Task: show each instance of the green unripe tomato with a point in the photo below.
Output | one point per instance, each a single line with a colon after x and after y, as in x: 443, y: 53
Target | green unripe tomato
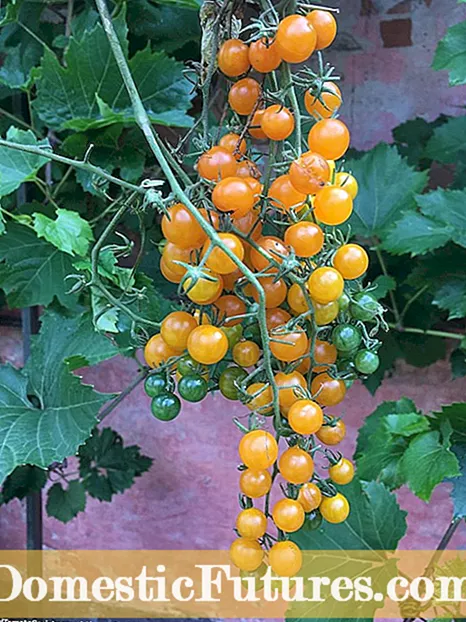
x: 366, y: 362
x: 343, y: 303
x: 187, y: 366
x: 313, y: 520
x: 192, y: 388
x: 346, y: 337
x: 364, y: 306
x: 155, y: 384
x: 227, y: 381
x: 166, y: 406
x: 233, y: 334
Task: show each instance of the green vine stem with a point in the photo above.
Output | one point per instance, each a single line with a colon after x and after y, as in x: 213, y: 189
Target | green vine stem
x: 421, y: 331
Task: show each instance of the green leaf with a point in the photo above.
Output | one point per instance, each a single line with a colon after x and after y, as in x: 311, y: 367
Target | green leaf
x: 458, y: 493
x: 446, y: 207
x: 16, y: 167
x: 387, y: 185
x: 88, y: 91
x: 411, y: 138
x: 451, y: 296
x: 458, y: 363
x: 383, y: 284
x: 447, y: 142
x: 64, y: 504
x: 427, y: 462
x: 456, y: 416
x: 406, y: 424
x: 451, y: 54
x: 69, y: 232
x: 22, y: 481
x: 416, y: 234
x: 2, y: 224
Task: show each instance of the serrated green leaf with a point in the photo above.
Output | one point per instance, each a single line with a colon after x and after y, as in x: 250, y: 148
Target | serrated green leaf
x: 447, y: 142
x: 451, y: 296
x: 34, y: 271
x: 387, y: 185
x: 406, y: 424
x: 383, y: 284
x: 411, y: 138
x: 16, y: 167
x: 456, y: 415
x: 427, y: 462
x: 88, y: 92
x: 446, y: 207
x: 458, y: 363
x: 68, y: 232
x: 66, y: 503
x: 22, y: 481
x: 416, y: 234
x: 451, y: 54
x: 458, y: 492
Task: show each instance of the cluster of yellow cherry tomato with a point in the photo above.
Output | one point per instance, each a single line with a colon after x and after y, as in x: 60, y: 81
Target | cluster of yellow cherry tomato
x: 282, y: 229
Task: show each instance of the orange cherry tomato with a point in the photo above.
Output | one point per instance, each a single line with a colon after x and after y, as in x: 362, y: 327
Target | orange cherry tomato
x: 276, y: 317
x: 351, y: 261
x: 176, y: 328
x: 230, y: 306
x: 264, y: 55
x: 255, y: 186
x: 255, y: 129
x: 296, y: 465
x: 333, y: 206
x: 305, y: 417
x: 251, y: 523
x: 332, y: 433
x: 348, y: 183
x: 168, y: 273
x: 246, y: 353
x: 255, y: 484
x: 342, y: 472
x: 218, y: 261
x: 233, y: 194
x: 325, y: 313
x: 230, y: 280
x: 262, y: 403
x: 335, y: 509
x: 328, y: 391
x: 246, y: 168
x: 233, y: 58
x: 325, y: 354
x: 324, y: 105
x: 325, y: 27
x: 330, y: 138
x: 234, y: 144
x: 274, y: 248
x: 296, y: 344
x: 284, y: 196
x: 250, y: 224
x: 309, y: 173
x: 304, y: 366
x: 296, y: 299
x: 258, y: 449
x: 309, y: 496
x: 244, y: 95
x: 246, y: 554
x: 287, y: 385
x: 285, y: 558
x: 277, y: 122
x: 296, y: 39
x: 216, y: 163
x: 181, y: 228
x: 173, y: 253
x: 275, y: 291
x: 288, y: 515
x: 156, y: 351
x: 325, y: 285
x: 205, y: 291
x: 207, y: 344
x: 306, y: 238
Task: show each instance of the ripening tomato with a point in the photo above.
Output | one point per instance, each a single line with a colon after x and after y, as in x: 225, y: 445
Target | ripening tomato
x: 255, y: 129
x: 168, y: 273
x: 277, y: 122
x: 246, y: 554
x: 262, y: 403
x: 324, y: 104
x: 207, y: 344
x: 258, y: 449
x: 335, y: 509
x: 309, y: 496
x: 285, y: 558
x: 246, y: 168
x: 249, y: 224
x: 296, y: 465
x: 325, y: 27
x: 244, y: 95
x: 296, y: 39
x: 325, y: 354
x: 306, y: 238
x: 233, y: 194
x: 295, y: 347
x: 296, y: 299
x: 233, y: 58
x: 342, y: 472
x: 230, y: 280
x: 284, y: 196
x: 348, y: 183
x: 332, y: 433
x: 181, y: 228
x: 274, y: 248
x: 288, y: 515
x: 230, y: 306
x: 205, y: 291
x: 251, y: 523
x: 246, y: 353
x: 287, y: 389
x: 333, y: 206
x: 276, y: 317
x: 218, y: 261
x: 234, y: 144
x: 328, y: 391
x: 176, y: 328
x: 325, y: 285
x: 309, y: 173
x: 264, y: 55
x: 173, y: 253
x: 325, y: 313
x: 255, y: 484
x: 275, y: 291
x: 351, y: 261
x: 305, y: 417
x: 156, y: 351
x: 330, y: 138
x: 216, y: 163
